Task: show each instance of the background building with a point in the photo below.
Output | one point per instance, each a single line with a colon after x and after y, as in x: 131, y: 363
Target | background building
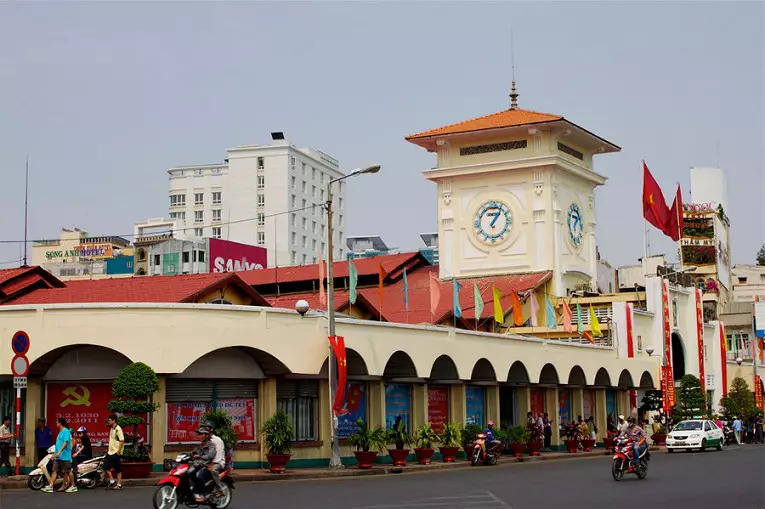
x: 246, y: 200
x: 748, y: 282
x: 367, y: 247
x: 75, y: 255
x: 430, y: 252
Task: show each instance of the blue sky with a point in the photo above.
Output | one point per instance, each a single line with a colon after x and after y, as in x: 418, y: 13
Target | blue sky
x: 104, y: 97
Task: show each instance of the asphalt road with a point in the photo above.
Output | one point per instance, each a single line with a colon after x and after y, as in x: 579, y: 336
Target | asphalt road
x: 734, y: 478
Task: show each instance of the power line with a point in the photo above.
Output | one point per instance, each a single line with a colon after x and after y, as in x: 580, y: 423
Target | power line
x: 194, y: 227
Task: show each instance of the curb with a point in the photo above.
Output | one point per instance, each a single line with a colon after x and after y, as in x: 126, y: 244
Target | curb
x: 20, y: 482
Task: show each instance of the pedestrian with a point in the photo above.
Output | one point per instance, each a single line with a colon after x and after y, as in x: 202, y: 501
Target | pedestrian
x: 593, y: 429
x: 5, y: 444
x: 548, y: 432
x: 623, y: 425
x: 719, y: 423
x: 738, y: 427
x: 530, y: 421
x: 112, y: 459
x: 43, y: 439
x: 62, y: 464
x: 758, y: 423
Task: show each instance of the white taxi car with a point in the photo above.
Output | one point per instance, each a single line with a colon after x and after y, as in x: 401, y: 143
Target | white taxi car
x: 695, y: 434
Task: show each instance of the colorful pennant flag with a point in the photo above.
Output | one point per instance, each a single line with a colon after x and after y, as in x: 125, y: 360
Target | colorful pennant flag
x: 499, y: 315
x: 588, y: 337
x: 406, y: 292
x: 579, y: 323
x: 594, y: 323
x: 517, y: 309
x: 478, y: 302
x: 567, y: 318
x: 353, y: 276
x: 534, y: 305
x: 435, y: 294
x: 456, y: 298
x: 322, y: 293
x: 552, y: 320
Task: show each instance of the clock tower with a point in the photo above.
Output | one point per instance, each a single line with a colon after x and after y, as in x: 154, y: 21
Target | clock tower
x: 516, y: 195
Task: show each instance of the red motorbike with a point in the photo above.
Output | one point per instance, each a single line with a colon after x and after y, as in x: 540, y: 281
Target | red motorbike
x: 489, y: 454
x: 623, y: 460
x: 176, y: 488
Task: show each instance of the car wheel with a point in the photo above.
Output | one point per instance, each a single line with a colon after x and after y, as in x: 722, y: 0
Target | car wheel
x: 720, y: 445
x: 703, y: 447
x: 670, y: 450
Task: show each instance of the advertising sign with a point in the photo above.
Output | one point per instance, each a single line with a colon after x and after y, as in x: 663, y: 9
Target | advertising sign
x: 611, y: 408
x: 564, y: 405
x: 759, y: 319
x: 355, y: 407
x: 183, y: 419
x: 700, y: 338
x: 438, y: 407
x: 242, y: 413
x: 724, y: 360
x: 93, y: 251
x: 537, y: 397
x: 758, y: 391
x: 226, y: 256
x: 170, y: 264
x: 669, y: 393
x: 723, y: 260
x: 82, y: 404
x: 475, y: 405
x: 588, y: 403
x: 397, y: 403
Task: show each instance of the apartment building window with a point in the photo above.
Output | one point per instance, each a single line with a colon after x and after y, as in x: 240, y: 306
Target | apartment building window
x: 293, y: 182
x: 340, y: 219
x: 261, y: 200
x: 261, y: 238
x: 216, y: 216
x: 177, y: 200
x: 199, y: 198
x: 302, y: 168
x: 292, y: 163
x: 178, y: 215
x: 216, y: 232
x: 261, y: 181
x: 199, y: 232
x: 185, y: 257
x: 314, y: 259
x: 340, y: 187
x: 321, y: 193
x: 217, y: 197
x: 156, y: 260
x: 198, y: 216
x: 323, y: 229
x: 313, y: 192
x: 294, y: 258
x: 305, y: 241
x: 323, y: 248
x: 294, y: 219
x: 294, y: 238
x: 313, y: 173
x: 261, y: 219
x: 304, y: 203
x: 313, y: 245
x: 305, y: 224
x: 261, y: 163
x: 340, y: 203
x: 293, y: 202
x: 313, y: 227
x: 304, y: 187
x: 305, y: 259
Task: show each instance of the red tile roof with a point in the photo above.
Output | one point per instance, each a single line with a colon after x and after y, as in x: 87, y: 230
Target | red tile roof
x: 17, y: 281
x: 506, y: 118
x: 180, y: 288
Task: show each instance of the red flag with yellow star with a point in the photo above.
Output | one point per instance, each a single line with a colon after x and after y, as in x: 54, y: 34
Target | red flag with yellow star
x: 355, y: 392
x: 338, y: 346
x: 655, y: 208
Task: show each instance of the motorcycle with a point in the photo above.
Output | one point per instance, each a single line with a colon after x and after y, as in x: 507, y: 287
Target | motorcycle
x: 730, y: 435
x: 623, y: 460
x: 176, y: 488
x: 89, y: 474
x: 481, y: 452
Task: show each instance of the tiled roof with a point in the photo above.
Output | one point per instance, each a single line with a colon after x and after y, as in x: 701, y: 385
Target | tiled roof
x: 506, y: 118
x: 170, y: 289
x: 17, y: 281
x: 8, y: 274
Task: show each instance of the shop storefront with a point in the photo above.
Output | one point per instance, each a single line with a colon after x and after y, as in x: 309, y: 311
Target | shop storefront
x: 588, y: 403
x: 564, y: 406
x: 398, y: 403
x: 438, y: 407
x: 475, y: 405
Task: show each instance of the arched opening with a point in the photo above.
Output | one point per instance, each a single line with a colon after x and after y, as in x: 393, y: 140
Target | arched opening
x: 548, y: 375
x: 678, y: 356
x: 625, y: 380
x: 646, y: 381
x: 400, y: 365
x: 444, y: 369
x: 576, y: 377
x: 483, y: 371
x: 518, y: 375
x: 510, y: 411
x: 79, y: 362
x: 141, y: 271
x: 355, y: 364
x: 602, y: 378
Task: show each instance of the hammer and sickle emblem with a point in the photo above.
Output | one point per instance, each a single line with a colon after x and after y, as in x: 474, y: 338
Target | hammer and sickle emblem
x: 74, y: 397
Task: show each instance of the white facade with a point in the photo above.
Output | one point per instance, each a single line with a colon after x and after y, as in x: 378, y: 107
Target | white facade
x: 631, y: 275
x: 709, y: 185
x: 748, y: 283
x: 265, y: 195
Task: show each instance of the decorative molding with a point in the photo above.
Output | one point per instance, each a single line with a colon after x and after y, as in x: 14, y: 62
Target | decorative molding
x: 493, y: 147
x: 446, y: 191
x: 539, y: 215
x: 570, y: 151
x: 538, y: 183
x: 448, y: 223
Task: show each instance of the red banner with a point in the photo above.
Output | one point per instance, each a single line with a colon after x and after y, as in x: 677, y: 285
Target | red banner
x: 338, y: 346
x: 724, y: 360
x: 537, y: 403
x: 669, y: 393
x: 700, y: 337
x: 438, y: 407
x: 630, y: 342
x: 183, y: 419
x: 758, y: 391
x: 82, y: 404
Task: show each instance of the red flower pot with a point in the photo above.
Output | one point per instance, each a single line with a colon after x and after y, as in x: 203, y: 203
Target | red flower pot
x: 278, y: 462
x: 449, y: 454
x: 518, y: 449
x: 659, y: 438
x: 534, y: 448
x: 399, y: 456
x: 609, y: 443
x: 424, y: 455
x: 572, y: 446
x: 588, y: 444
x: 140, y: 470
x: 365, y: 459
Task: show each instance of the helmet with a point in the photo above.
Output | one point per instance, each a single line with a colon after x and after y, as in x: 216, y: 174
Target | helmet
x: 631, y: 420
x: 490, y: 424
x: 621, y: 417
x: 82, y: 429
x: 204, y: 430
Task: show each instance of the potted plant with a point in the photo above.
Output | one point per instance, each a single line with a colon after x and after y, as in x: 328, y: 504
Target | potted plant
x: 132, y: 391
x: 572, y: 438
x: 587, y: 442
x: 469, y: 434
x: 223, y: 428
x: 536, y: 440
x: 519, y: 436
x: 450, y: 442
x: 660, y: 437
x: 424, y: 438
x: 277, y: 438
x: 609, y: 442
x: 403, y: 440
x: 367, y: 442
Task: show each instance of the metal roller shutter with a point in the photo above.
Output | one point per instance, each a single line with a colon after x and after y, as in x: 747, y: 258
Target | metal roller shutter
x: 288, y: 389
x: 244, y: 389
x: 179, y: 390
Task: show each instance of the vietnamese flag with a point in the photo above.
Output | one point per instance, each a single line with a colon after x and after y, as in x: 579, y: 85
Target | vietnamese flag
x: 353, y: 399
x: 675, y: 225
x: 338, y: 346
x: 655, y: 209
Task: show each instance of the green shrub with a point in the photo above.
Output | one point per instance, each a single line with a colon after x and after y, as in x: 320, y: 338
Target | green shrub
x: 469, y: 434
x: 450, y: 436
x: 132, y: 391
x: 277, y: 434
x: 366, y: 438
x: 222, y: 426
x: 425, y: 437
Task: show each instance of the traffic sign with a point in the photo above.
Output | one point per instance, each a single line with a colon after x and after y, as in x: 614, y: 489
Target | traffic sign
x: 19, y: 382
x: 20, y: 365
x: 20, y: 343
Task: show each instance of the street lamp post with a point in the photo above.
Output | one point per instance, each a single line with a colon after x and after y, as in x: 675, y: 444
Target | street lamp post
x: 335, y: 461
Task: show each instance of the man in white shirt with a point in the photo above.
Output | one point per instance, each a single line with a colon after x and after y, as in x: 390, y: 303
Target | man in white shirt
x: 219, y: 461
x: 5, y: 444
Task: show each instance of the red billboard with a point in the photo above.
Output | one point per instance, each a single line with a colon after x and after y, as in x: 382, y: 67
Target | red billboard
x: 226, y: 256
x: 183, y: 419
x: 438, y: 407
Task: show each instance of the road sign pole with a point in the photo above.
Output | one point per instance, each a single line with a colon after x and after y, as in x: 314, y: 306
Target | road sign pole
x: 18, y: 430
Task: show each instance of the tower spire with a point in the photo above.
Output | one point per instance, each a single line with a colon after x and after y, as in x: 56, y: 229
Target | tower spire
x: 513, y: 92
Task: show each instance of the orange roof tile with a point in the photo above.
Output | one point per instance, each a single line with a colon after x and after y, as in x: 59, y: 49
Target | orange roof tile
x: 506, y: 118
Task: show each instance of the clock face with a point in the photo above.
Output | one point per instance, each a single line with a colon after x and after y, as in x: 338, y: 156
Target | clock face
x: 493, y: 222
x: 575, y: 224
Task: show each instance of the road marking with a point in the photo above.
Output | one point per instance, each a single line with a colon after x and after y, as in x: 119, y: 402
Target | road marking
x: 485, y: 499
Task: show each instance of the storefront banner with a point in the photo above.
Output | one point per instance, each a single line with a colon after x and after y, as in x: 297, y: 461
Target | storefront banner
x: 588, y: 403
x: 242, y: 413
x: 537, y: 397
x: 475, y: 403
x: 633, y: 402
x: 397, y: 403
x: 183, y: 421
x: 700, y: 338
x: 723, y: 360
x: 669, y: 394
x: 438, y: 407
x: 564, y: 406
x: 355, y: 408
x: 82, y: 404
x: 630, y: 340
x: 611, y: 407
x: 758, y: 391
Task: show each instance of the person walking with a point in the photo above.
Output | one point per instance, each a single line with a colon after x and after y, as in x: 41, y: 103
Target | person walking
x: 758, y: 423
x: 62, y: 463
x: 738, y: 427
x: 43, y: 439
x: 112, y: 459
x: 593, y: 429
x: 5, y: 444
x: 548, y: 432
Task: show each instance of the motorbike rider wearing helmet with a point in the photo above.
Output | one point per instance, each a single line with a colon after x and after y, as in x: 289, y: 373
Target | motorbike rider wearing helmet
x: 83, y: 452
x: 639, y: 440
x: 204, y: 455
x: 219, y: 461
x: 489, y: 432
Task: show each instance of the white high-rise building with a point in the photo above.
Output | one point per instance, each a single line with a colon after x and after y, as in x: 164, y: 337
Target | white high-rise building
x: 266, y: 195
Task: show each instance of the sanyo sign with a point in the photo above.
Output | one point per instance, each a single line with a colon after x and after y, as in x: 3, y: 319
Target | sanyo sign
x: 228, y: 256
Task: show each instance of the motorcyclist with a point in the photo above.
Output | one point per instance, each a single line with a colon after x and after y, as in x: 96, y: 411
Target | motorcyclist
x: 204, y: 456
x: 639, y: 440
x: 83, y: 451
x: 494, y: 444
x: 219, y: 461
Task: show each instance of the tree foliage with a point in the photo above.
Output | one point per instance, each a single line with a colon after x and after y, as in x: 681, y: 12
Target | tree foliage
x: 132, y: 391
x: 222, y: 426
x: 652, y: 401
x: 691, y: 400
x: 739, y: 402
x: 761, y: 256
x: 277, y: 433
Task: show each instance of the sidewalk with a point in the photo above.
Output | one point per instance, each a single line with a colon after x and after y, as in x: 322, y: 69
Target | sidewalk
x: 260, y: 475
